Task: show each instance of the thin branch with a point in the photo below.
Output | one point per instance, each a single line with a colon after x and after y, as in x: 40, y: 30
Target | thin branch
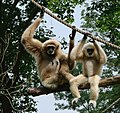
x: 9, y: 37
x: 15, y: 109
x: 111, y: 105
x: 3, y: 75
x: 9, y: 97
x: 17, y: 89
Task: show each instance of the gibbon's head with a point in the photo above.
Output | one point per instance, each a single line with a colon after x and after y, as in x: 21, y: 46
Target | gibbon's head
x: 89, y: 50
x: 51, y: 47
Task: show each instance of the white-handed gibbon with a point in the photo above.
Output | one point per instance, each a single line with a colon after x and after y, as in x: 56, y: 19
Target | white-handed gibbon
x: 52, y: 63
x: 92, y: 57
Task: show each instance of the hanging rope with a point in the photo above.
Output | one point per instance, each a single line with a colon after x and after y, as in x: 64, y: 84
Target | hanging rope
x: 74, y: 28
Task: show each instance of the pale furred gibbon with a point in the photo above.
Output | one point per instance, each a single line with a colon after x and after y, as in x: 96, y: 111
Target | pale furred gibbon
x: 92, y: 57
x: 51, y: 62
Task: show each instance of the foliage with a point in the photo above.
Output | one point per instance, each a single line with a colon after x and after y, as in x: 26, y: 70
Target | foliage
x: 64, y: 8
x: 102, y: 18
x: 17, y: 67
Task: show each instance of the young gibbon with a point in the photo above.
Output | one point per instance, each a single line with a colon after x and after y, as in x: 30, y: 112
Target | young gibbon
x: 52, y: 63
x: 92, y: 57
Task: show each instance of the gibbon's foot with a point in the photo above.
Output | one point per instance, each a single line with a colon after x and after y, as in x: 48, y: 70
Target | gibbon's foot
x: 49, y: 86
x: 74, y: 101
x: 33, y: 91
x: 92, y: 104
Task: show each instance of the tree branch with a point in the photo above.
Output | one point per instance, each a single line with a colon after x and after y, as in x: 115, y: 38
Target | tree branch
x: 111, y: 105
x: 103, y: 83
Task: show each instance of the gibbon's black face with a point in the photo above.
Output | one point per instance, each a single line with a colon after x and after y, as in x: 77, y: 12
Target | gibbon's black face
x: 90, y: 51
x: 51, y: 49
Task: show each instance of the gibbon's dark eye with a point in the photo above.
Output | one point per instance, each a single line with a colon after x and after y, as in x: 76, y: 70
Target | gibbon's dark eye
x: 90, y: 51
x: 51, y: 47
x: 56, y: 62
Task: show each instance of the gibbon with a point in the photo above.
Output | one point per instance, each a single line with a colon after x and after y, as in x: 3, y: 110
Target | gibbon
x: 92, y: 57
x: 52, y: 63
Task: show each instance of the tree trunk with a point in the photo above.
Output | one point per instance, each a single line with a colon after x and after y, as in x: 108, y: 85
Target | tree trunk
x: 103, y: 83
x: 6, y: 107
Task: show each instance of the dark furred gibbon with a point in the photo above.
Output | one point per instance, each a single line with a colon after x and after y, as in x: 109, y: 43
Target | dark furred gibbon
x: 52, y: 63
x: 92, y: 57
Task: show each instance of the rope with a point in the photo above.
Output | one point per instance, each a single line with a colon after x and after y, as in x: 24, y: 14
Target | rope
x: 74, y: 28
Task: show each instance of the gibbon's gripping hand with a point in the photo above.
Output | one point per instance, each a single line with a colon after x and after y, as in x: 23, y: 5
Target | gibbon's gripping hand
x: 42, y: 13
x: 92, y: 40
x: 85, y: 37
x: 72, y: 36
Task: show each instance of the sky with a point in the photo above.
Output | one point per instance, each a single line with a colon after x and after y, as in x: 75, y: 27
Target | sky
x: 45, y: 103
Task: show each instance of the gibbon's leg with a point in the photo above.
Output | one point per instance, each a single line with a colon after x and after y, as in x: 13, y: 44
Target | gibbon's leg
x: 73, y: 87
x: 94, y: 89
x: 64, y: 71
x: 74, y: 83
x: 51, y: 82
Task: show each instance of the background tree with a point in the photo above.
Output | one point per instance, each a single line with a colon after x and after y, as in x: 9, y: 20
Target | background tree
x: 17, y: 69
x: 102, y: 18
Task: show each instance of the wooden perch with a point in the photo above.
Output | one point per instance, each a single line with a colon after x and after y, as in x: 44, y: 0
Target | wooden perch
x: 103, y: 83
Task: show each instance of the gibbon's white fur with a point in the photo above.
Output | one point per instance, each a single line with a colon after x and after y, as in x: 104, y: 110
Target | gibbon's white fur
x: 92, y: 57
x: 52, y: 63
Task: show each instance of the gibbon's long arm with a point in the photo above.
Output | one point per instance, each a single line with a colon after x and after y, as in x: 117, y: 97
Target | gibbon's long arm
x: 31, y: 45
x: 71, y: 62
x: 101, y: 54
x: 77, y: 53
